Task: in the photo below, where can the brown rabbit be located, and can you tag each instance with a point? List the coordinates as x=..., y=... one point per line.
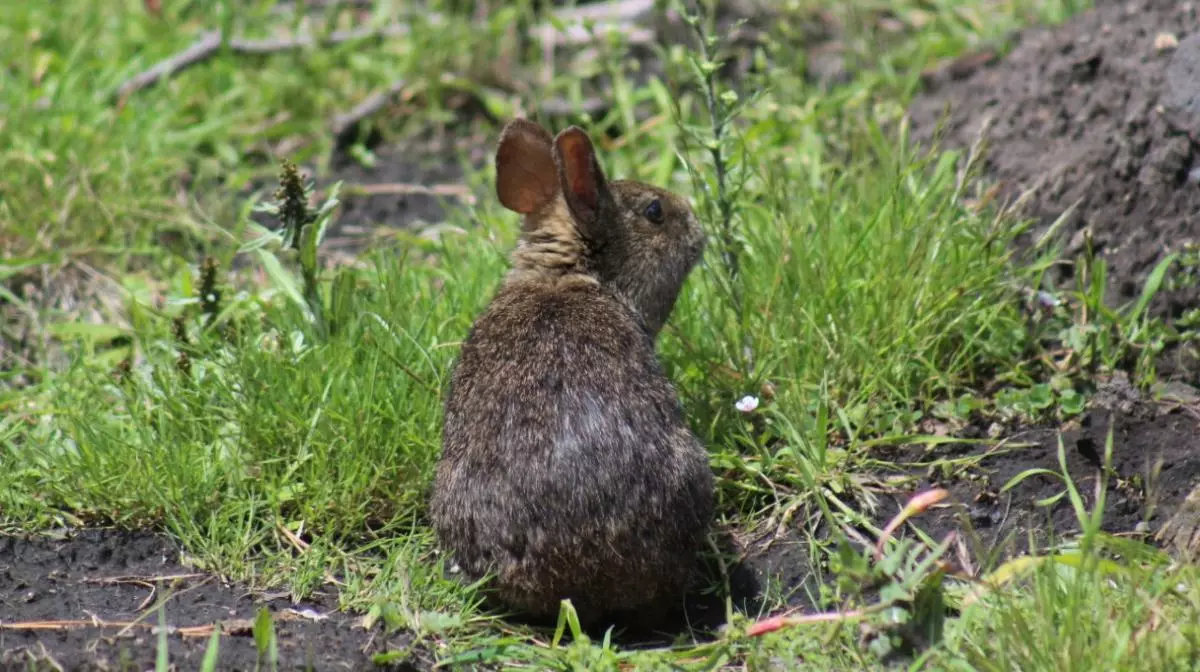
x=568, y=470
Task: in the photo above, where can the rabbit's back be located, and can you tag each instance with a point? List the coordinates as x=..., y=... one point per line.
x=567, y=468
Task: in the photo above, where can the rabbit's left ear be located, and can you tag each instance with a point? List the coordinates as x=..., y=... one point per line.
x=526, y=177
x=582, y=179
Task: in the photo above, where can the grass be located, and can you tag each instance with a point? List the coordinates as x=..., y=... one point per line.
x=279, y=449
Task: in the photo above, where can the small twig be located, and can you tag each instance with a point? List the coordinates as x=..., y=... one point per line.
x=343, y=124
x=201, y=49
x=558, y=107
x=961, y=67
x=459, y=191
x=718, y=122
x=315, y=5
x=784, y=520
x=300, y=545
x=620, y=14
x=161, y=604
x=210, y=43
x=302, y=41
x=185, y=631
x=613, y=10
x=140, y=579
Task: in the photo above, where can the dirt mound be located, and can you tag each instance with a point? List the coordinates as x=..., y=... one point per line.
x=1103, y=110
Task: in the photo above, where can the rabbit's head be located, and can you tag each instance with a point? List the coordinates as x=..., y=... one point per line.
x=635, y=239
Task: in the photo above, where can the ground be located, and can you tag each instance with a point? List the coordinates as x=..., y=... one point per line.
x=1098, y=112
x=1153, y=468
x=111, y=576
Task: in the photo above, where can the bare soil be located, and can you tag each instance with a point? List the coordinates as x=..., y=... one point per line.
x=1155, y=462
x=1101, y=112
x=87, y=600
x=67, y=602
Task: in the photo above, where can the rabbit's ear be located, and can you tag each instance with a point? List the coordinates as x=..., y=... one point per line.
x=526, y=177
x=583, y=181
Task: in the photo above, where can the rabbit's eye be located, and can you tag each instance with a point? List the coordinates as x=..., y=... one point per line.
x=654, y=212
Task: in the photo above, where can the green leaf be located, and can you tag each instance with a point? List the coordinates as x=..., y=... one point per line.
x=1051, y=500
x=284, y=280
x=97, y=333
x=1153, y=284
x=1072, y=402
x=162, y=661
x=1016, y=480
x=209, y=664
x=262, y=630
x=265, y=237
x=437, y=622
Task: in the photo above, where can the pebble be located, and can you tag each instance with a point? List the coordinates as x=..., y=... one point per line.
x=1181, y=93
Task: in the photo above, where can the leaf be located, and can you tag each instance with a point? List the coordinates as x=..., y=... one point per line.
x=284, y=281
x=162, y=660
x=437, y=622
x=262, y=630
x=102, y=333
x=390, y=657
x=1153, y=283
x=209, y=664
x=1076, y=498
x=265, y=237
x=1051, y=500
x=372, y=616
x=1016, y=480
x=567, y=616
x=1072, y=403
x=1041, y=396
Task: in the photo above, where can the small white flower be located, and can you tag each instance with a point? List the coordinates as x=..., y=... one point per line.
x=747, y=404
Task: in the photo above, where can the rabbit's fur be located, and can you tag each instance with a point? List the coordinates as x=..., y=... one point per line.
x=568, y=470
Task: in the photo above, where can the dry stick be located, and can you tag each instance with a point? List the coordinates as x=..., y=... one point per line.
x=343, y=123
x=200, y=50
x=185, y=631
x=459, y=191
x=210, y=43
x=556, y=107
x=620, y=14
x=318, y=5
x=150, y=582
x=141, y=579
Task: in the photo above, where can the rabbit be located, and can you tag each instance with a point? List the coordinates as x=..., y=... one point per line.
x=567, y=468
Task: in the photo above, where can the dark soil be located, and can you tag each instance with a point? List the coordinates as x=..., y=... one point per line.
x=1155, y=463
x=1103, y=111
x=109, y=576
x=66, y=600
x=434, y=162
x=409, y=185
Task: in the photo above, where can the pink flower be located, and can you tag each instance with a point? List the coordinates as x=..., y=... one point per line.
x=747, y=404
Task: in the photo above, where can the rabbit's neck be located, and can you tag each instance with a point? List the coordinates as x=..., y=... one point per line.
x=542, y=253
x=550, y=246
